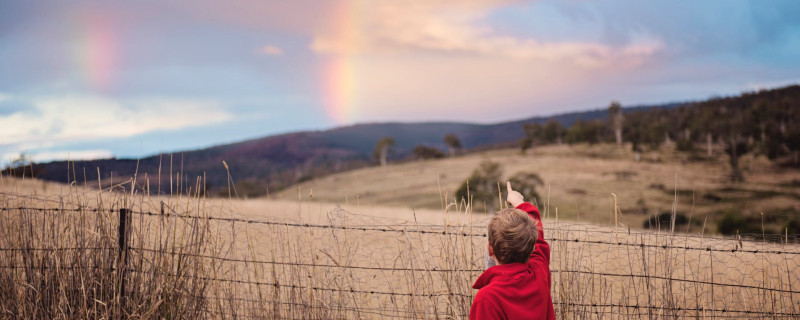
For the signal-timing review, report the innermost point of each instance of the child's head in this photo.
(512, 235)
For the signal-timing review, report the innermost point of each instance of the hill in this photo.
(578, 184)
(275, 162)
(758, 123)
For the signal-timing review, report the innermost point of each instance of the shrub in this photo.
(664, 220)
(793, 226)
(732, 222)
(526, 183)
(481, 186)
(425, 152)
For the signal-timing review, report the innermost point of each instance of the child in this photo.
(518, 287)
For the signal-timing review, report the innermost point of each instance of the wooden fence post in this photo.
(123, 251)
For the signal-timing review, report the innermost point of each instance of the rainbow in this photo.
(95, 51)
(340, 71)
(340, 88)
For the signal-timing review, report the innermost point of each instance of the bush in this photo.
(685, 145)
(526, 183)
(732, 222)
(712, 197)
(483, 183)
(793, 226)
(481, 186)
(425, 152)
(664, 220)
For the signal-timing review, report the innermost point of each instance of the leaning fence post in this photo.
(123, 251)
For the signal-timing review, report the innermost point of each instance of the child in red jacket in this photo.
(518, 287)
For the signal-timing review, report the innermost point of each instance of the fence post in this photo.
(123, 251)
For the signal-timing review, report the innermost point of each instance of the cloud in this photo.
(272, 50)
(54, 120)
(467, 60)
(465, 27)
(431, 59)
(45, 156)
(4, 97)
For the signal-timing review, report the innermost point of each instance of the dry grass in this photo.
(302, 259)
(579, 180)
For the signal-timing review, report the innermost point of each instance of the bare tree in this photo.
(615, 117)
(453, 144)
(382, 149)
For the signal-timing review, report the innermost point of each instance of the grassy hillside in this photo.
(281, 160)
(579, 181)
(753, 124)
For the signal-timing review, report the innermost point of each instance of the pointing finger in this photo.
(508, 184)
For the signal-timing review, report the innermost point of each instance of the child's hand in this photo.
(514, 198)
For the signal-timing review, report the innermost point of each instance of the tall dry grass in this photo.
(192, 257)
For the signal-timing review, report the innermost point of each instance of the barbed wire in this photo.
(658, 246)
(628, 244)
(592, 273)
(696, 309)
(25, 267)
(293, 286)
(645, 276)
(58, 249)
(579, 228)
(303, 264)
(383, 228)
(56, 209)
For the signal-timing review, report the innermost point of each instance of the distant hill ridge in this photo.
(281, 160)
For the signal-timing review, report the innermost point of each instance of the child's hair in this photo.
(512, 235)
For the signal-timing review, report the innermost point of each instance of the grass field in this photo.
(579, 181)
(302, 258)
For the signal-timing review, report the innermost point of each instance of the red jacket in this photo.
(517, 290)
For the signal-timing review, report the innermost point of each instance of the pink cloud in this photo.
(462, 27)
(272, 50)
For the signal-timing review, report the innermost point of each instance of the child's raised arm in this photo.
(541, 251)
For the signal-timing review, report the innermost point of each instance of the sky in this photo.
(94, 79)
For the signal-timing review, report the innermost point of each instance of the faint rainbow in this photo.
(340, 74)
(95, 55)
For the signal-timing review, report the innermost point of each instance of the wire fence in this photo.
(345, 265)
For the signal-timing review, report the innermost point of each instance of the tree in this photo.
(425, 152)
(592, 132)
(735, 129)
(20, 161)
(533, 134)
(575, 132)
(615, 118)
(683, 130)
(553, 131)
(481, 186)
(735, 147)
(525, 143)
(526, 183)
(705, 124)
(453, 144)
(792, 142)
(655, 129)
(634, 132)
(22, 166)
(382, 150)
(779, 131)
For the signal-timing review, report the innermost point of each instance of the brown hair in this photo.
(512, 235)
